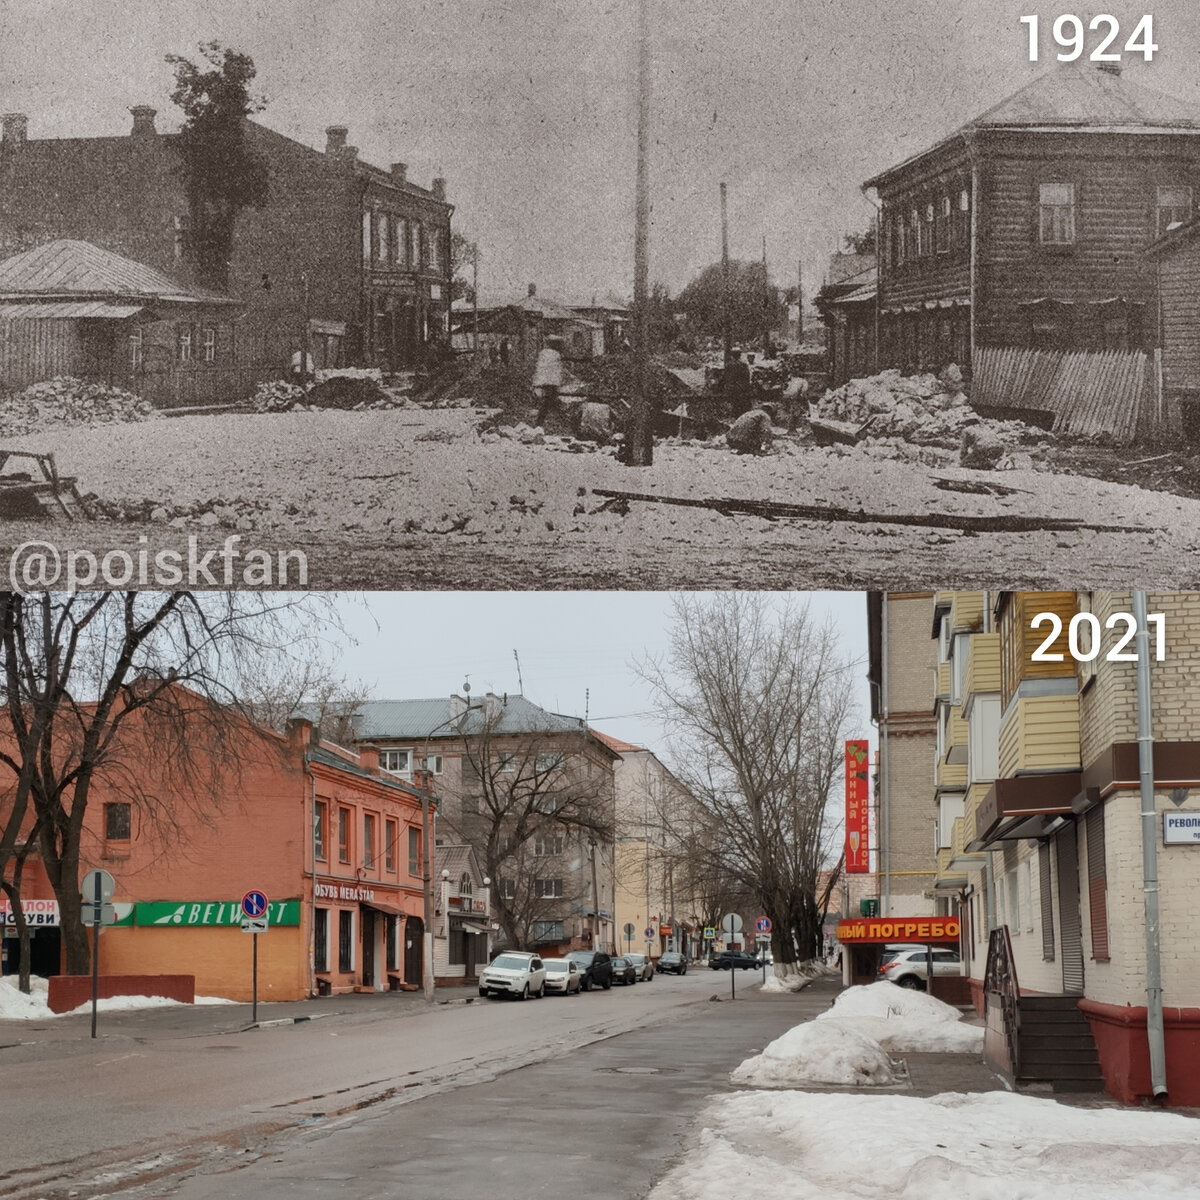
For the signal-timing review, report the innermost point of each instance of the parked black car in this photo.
(596, 967)
(673, 963)
(728, 959)
(624, 971)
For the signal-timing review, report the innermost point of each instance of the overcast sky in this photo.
(527, 106)
(576, 648)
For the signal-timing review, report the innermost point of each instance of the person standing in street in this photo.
(548, 379)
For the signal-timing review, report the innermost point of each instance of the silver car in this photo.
(514, 973)
(909, 968)
(643, 964)
(563, 975)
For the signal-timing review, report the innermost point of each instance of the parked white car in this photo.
(563, 975)
(909, 968)
(514, 973)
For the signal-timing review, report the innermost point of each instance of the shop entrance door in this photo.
(368, 947)
(414, 939)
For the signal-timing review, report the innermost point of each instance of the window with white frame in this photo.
(983, 739)
(508, 889)
(398, 762)
(506, 761)
(414, 245)
(1025, 877)
(1174, 207)
(550, 761)
(545, 847)
(366, 237)
(950, 808)
(548, 889)
(210, 344)
(433, 764)
(547, 931)
(1085, 630)
(382, 252)
(958, 667)
(1014, 901)
(136, 349)
(184, 343)
(1056, 214)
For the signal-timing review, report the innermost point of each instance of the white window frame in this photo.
(136, 349)
(183, 343)
(366, 236)
(385, 758)
(210, 344)
(1056, 210)
(1166, 213)
(555, 842)
(548, 889)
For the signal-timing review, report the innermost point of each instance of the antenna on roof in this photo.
(587, 699)
(520, 681)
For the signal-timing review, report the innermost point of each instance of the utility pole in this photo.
(766, 304)
(475, 295)
(725, 315)
(799, 303)
(639, 448)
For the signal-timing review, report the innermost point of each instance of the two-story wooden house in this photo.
(1024, 230)
(353, 258)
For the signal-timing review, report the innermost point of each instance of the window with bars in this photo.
(1046, 890)
(118, 820)
(1097, 882)
(1056, 214)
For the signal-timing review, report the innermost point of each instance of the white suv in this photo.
(514, 973)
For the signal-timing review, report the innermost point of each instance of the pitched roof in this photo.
(413, 720)
(616, 744)
(1075, 96)
(66, 268)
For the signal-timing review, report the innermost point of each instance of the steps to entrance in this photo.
(1056, 1046)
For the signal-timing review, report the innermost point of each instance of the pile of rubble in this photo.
(66, 400)
(240, 514)
(348, 389)
(923, 416)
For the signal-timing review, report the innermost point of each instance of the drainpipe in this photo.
(1145, 739)
(885, 848)
(427, 888)
(312, 905)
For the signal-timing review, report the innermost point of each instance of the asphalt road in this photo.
(463, 1100)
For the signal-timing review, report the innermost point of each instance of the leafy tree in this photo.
(463, 253)
(757, 698)
(754, 302)
(223, 174)
(859, 243)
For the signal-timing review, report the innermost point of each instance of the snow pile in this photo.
(991, 1146)
(902, 1020)
(15, 1005)
(829, 1053)
(797, 980)
(922, 410)
(65, 400)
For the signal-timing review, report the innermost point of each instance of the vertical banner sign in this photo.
(858, 791)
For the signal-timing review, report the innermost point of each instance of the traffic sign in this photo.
(255, 925)
(102, 914)
(709, 933)
(630, 929)
(649, 933)
(254, 904)
(763, 924)
(87, 889)
(731, 923)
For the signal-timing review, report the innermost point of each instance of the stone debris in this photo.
(66, 400)
(903, 416)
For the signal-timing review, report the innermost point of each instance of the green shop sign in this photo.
(169, 913)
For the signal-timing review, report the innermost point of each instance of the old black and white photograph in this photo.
(647, 295)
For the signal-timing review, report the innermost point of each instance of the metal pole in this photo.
(799, 303)
(1145, 738)
(640, 448)
(304, 342)
(766, 305)
(95, 948)
(254, 982)
(427, 938)
(725, 317)
(475, 296)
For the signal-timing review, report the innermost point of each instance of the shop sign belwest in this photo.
(899, 929)
(208, 912)
(37, 912)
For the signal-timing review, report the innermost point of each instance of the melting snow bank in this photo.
(902, 1020)
(16, 1006)
(992, 1146)
(818, 1053)
(802, 976)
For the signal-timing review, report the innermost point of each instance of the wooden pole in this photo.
(640, 447)
(475, 295)
(799, 303)
(766, 305)
(725, 314)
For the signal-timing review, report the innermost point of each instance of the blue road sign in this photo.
(254, 904)
(763, 924)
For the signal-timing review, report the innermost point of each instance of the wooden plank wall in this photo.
(34, 350)
(1090, 392)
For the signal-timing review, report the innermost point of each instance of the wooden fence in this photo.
(200, 383)
(1086, 392)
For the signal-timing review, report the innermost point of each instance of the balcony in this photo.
(966, 611)
(1040, 731)
(983, 665)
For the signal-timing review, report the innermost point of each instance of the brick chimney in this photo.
(458, 706)
(368, 759)
(335, 139)
(143, 121)
(299, 733)
(533, 289)
(439, 189)
(399, 173)
(14, 127)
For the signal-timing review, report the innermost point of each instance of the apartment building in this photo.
(1045, 864)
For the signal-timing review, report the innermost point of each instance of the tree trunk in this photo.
(13, 892)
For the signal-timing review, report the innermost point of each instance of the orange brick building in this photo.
(336, 844)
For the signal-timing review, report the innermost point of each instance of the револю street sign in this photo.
(96, 891)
